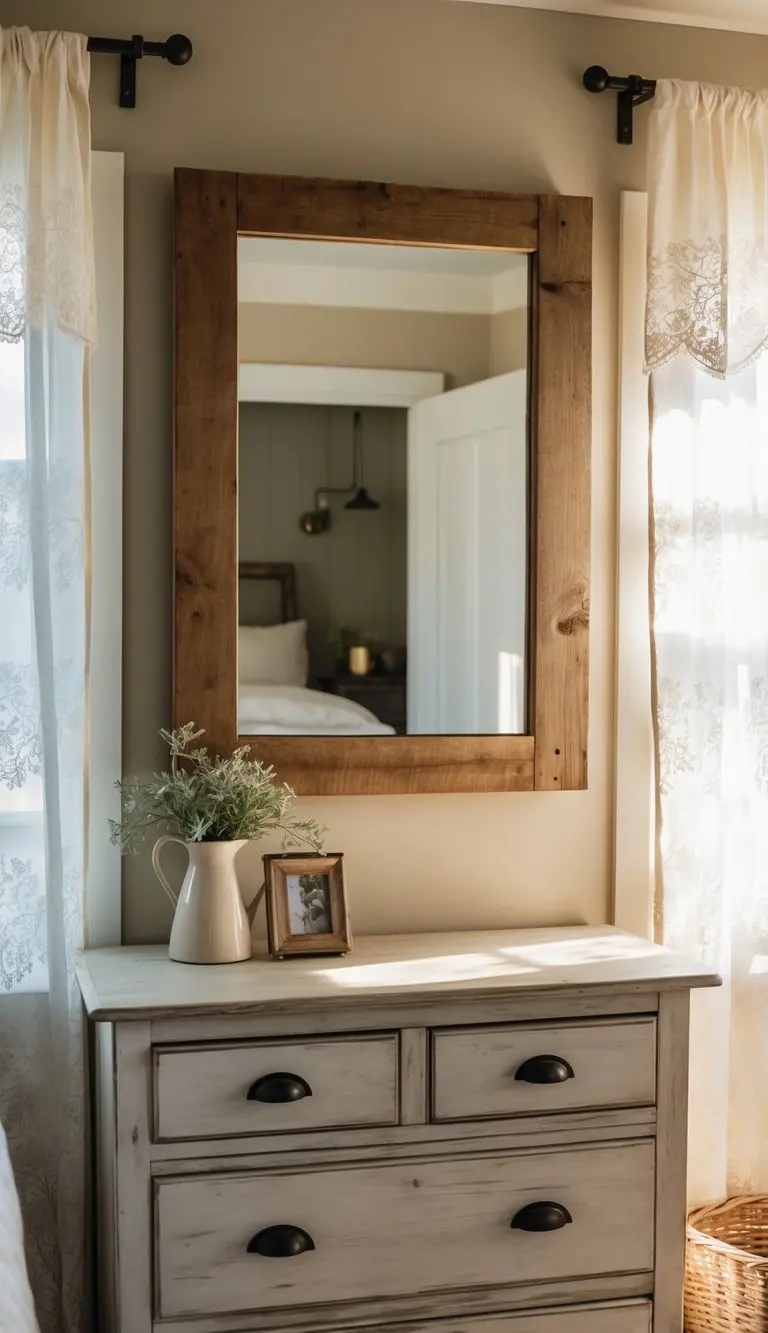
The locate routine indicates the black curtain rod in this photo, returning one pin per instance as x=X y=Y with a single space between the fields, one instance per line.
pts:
x=177 y=51
x=632 y=91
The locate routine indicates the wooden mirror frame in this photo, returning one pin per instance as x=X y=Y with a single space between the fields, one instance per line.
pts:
x=211 y=209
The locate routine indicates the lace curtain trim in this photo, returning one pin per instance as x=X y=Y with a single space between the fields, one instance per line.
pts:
x=709 y=300
x=40 y=249
x=707 y=226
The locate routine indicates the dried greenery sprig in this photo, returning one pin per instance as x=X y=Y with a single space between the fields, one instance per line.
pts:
x=210 y=800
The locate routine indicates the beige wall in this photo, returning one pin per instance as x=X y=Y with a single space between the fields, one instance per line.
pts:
x=466 y=348
x=509 y=341
x=458 y=345
x=425 y=92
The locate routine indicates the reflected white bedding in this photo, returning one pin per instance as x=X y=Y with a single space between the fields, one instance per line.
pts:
x=17 y=1310
x=290 y=710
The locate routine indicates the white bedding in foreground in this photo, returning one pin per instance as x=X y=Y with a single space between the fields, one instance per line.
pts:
x=17 y=1310
x=290 y=710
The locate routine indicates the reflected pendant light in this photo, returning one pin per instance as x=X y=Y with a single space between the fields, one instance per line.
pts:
x=318 y=520
x=361 y=499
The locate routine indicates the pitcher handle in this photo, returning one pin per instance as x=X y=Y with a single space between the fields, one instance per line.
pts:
x=158 y=869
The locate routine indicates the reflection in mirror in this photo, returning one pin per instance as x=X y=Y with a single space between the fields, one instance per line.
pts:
x=383 y=459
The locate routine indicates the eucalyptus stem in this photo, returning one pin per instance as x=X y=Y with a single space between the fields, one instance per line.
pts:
x=210 y=800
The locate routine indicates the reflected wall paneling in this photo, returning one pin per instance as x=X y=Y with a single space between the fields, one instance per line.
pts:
x=353 y=575
x=211 y=207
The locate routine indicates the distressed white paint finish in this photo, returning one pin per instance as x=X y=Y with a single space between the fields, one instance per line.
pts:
x=392 y=1254
x=201 y=1091
x=387 y=1230
x=369 y=1145
x=479 y=1303
x=474 y=1304
x=134 y=1205
x=473 y=1070
x=467 y=554
x=384 y=971
x=672 y=1160
x=105 y=1131
x=624 y=1318
x=415 y=1076
x=578 y=1002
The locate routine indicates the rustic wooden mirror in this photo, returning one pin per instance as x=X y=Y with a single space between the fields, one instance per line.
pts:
x=382 y=481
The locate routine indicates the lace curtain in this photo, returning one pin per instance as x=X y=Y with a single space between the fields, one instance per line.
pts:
x=47 y=325
x=708 y=299
x=708 y=221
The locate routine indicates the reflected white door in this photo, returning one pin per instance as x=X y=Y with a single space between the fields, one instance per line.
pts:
x=467 y=558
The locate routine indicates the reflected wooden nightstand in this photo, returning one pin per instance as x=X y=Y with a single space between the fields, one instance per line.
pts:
x=384 y=696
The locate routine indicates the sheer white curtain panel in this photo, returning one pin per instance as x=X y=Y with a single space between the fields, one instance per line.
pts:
x=47 y=327
x=706 y=339
x=710 y=519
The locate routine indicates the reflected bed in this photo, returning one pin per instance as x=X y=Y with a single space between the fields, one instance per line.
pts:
x=274 y=697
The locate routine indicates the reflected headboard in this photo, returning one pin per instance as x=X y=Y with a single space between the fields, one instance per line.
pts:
x=263 y=571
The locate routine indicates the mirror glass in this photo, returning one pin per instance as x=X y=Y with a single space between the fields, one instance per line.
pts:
x=383 y=489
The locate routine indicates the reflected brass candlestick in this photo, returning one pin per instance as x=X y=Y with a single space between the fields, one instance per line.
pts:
x=360 y=661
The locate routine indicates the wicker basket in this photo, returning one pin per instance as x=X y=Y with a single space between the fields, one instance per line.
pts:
x=726 y=1267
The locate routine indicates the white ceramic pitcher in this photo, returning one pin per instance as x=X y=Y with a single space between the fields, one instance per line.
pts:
x=211 y=923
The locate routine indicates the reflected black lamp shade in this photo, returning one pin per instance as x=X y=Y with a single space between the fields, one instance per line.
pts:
x=362 y=500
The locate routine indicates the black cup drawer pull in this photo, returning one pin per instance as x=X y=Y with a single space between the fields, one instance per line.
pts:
x=279 y=1088
x=544 y=1069
x=281 y=1242
x=541 y=1217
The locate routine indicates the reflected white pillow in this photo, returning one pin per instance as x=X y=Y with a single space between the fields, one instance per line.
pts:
x=273 y=654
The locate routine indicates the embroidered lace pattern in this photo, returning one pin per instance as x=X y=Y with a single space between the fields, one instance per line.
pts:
x=709 y=301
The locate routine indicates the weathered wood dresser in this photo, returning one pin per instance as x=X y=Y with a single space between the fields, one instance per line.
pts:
x=486 y=1130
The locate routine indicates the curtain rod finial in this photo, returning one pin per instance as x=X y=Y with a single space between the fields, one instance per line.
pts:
x=596 y=79
x=178 y=49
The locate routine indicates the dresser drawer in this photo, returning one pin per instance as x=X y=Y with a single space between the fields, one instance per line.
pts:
x=222 y=1090
x=482 y=1073
x=624 y=1317
x=389 y=1230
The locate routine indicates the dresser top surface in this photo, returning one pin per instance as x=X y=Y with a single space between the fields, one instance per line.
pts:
x=141 y=982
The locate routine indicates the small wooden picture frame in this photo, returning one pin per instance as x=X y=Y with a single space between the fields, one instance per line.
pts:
x=306 y=904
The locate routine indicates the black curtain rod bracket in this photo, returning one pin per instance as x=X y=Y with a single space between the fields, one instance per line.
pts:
x=177 y=51
x=632 y=91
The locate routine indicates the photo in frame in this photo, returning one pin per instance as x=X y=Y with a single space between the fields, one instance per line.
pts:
x=306 y=904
